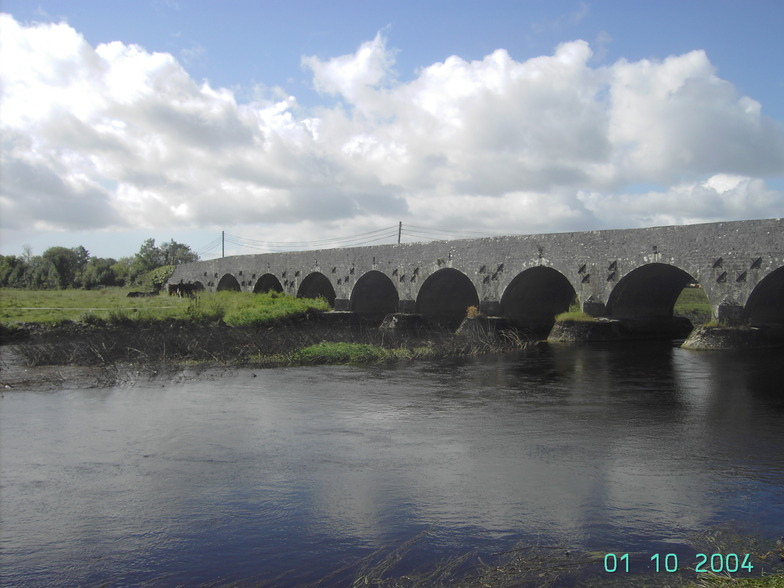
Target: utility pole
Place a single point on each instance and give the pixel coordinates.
(223, 243)
(399, 230)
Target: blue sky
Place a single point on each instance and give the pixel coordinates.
(313, 121)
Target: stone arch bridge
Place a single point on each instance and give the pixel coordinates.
(632, 274)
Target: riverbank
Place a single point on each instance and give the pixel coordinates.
(104, 353)
(536, 565)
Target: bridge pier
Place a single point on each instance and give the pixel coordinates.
(490, 307)
(342, 304)
(406, 306)
(594, 307)
(729, 313)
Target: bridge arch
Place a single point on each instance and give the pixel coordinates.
(267, 283)
(649, 291)
(445, 295)
(317, 284)
(535, 296)
(228, 282)
(766, 302)
(374, 292)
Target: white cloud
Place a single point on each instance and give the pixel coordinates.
(116, 136)
(720, 197)
(676, 119)
(356, 77)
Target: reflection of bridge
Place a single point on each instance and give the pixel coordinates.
(528, 279)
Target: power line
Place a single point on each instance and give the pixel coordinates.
(353, 240)
(431, 230)
(331, 240)
(393, 234)
(208, 247)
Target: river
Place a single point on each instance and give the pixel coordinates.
(284, 477)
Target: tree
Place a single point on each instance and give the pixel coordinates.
(99, 272)
(82, 257)
(41, 274)
(63, 265)
(174, 253)
(151, 257)
(122, 271)
(12, 271)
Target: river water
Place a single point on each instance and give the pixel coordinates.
(293, 475)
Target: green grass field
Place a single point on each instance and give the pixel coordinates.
(692, 301)
(51, 307)
(56, 306)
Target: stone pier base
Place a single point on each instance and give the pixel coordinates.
(606, 329)
(736, 338)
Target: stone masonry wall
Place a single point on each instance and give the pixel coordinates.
(728, 259)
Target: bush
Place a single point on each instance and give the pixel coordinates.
(90, 318)
(154, 279)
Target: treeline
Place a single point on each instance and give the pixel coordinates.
(63, 267)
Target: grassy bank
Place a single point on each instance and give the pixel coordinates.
(113, 306)
(106, 328)
(304, 340)
(694, 305)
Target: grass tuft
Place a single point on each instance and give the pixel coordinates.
(575, 315)
(327, 352)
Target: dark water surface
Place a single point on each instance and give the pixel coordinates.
(291, 474)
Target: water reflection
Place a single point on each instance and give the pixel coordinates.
(298, 471)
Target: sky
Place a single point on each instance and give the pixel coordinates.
(308, 124)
